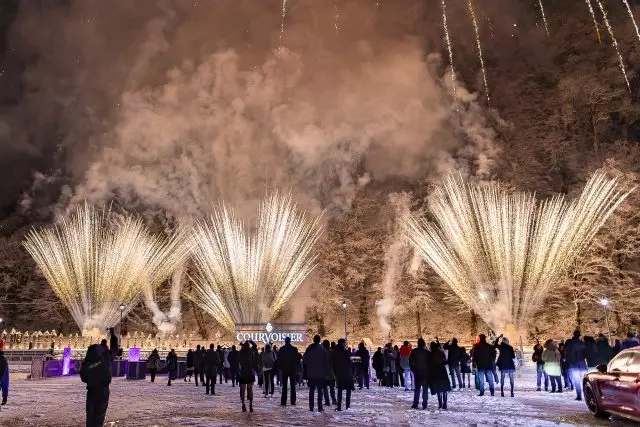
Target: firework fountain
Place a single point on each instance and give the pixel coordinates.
(501, 252)
(96, 261)
(242, 278)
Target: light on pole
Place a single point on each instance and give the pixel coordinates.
(344, 306)
(605, 303)
(121, 311)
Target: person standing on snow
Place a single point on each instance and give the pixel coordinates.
(96, 373)
(419, 361)
(453, 360)
(552, 358)
(246, 365)
(152, 362)
(576, 358)
(114, 343)
(630, 342)
(591, 352)
(537, 357)
(505, 362)
(197, 363)
(4, 374)
(316, 361)
(341, 364)
(268, 370)
(605, 351)
(465, 366)
(329, 388)
(363, 366)
(172, 366)
(405, 353)
(210, 364)
(438, 378)
(189, 373)
(233, 359)
(389, 365)
(289, 360)
(483, 357)
(377, 362)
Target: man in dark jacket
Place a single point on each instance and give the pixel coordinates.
(483, 356)
(505, 363)
(419, 363)
(233, 365)
(540, 372)
(210, 365)
(172, 366)
(341, 363)
(630, 342)
(575, 354)
(453, 360)
(114, 343)
(220, 352)
(605, 351)
(4, 374)
(288, 357)
(96, 373)
(363, 366)
(197, 363)
(590, 352)
(377, 362)
(315, 367)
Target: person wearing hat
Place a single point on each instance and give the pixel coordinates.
(4, 374)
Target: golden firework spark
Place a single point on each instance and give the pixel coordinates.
(94, 262)
(242, 278)
(500, 251)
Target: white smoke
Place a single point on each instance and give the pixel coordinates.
(167, 322)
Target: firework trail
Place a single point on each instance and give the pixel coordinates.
(595, 20)
(450, 48)
(501, 252)
(477, 31)
(284, 14)
(241, 278)
(544, 17)
(614, 42)
(633, 19)
(336, 16)
(95, 262)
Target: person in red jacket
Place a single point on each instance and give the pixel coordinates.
(405, 352)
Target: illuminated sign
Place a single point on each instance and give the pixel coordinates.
(271, 333)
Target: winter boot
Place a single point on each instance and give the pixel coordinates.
(251, 406)
(439, 400)
(244, 408)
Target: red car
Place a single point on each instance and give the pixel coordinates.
(614, 389)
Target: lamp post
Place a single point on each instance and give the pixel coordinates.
(344, 306)
(605, 303)
(122, 306)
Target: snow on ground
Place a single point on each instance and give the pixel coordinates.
(60, 402)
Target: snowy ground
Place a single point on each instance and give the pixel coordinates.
(60, 402)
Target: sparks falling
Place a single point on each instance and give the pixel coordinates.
(479, 45)
(501, 252)
(248, 279)
(614, 42)
(336, 16)
(284, 15)
(95, 262)
(450, 48)
(633, 19)
(544, 17)
(595, 20)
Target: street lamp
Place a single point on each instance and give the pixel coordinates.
(344, 306)
(122, 306)
(605, 303)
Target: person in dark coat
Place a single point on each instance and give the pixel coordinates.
(220, 352)
(341, 364)
(268, 369)
(152, 363)
(288, 362)
(114, 345)
(505, 362)
(210, 364)
(465, 366)
(189, 372)
(438, 378)
(398, 377)
(540, 372)
(329, 388)
(389, 365)
(630, 342)
(483, 358)
(605, 351)
(4, 374)
(104, 345)
(246, 365)
(198, 357)
(363, 366)
(419, 362)
(617, 347)
(590, 352)
(96, 373)
(377, 362)
(453, 360)
(564, 365)
(576, 358)
(316, 361)
(233, 359)
(172, 366)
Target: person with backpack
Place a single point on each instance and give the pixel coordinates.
(540, 372)
(96, 373)
(172, 366)
(505, 362)
(152, 362)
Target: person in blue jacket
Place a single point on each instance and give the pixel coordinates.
(4, 374)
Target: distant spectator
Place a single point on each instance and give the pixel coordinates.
(630, 342)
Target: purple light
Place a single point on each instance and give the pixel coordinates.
(134, 354)
(66, 360)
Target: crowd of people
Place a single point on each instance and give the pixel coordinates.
(331, 370)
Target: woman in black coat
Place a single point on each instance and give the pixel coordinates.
(189, 366)
(505, 362)
(343, 370)
(248, 363)
(438, 379)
